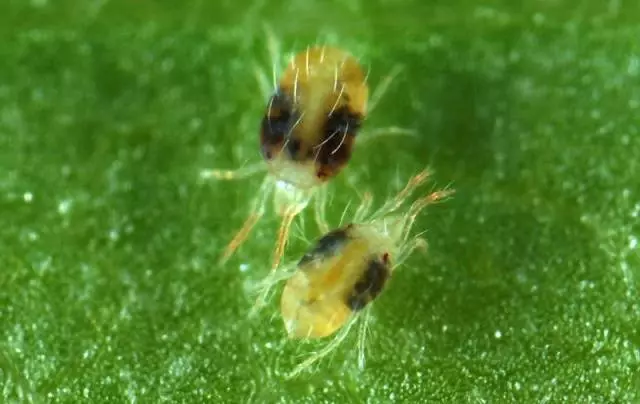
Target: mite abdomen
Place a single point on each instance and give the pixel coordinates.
(321, 75)
(340, 275)
(315, 114)
(309, 316)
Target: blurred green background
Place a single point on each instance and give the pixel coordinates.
(109, 288)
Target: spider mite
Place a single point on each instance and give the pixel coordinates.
(312, 118)
(346, 269)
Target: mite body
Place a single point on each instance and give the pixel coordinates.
(347, 269)
(312, 118)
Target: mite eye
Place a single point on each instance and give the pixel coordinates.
(385, 258)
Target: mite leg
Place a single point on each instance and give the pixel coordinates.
(362, 338)
(275, 53)
(236, 174)
(420, 204)
(408, 249)
(363, 209)
(266, 90)
(395, 202)
(268, 85)
(433, 197)
(283, 234)
(384, 132)
(240, 236)
(273, 49)
(263, 289)
(337, 340)
(344, 214)
(382, 88)
(257, 211)
(320, 210)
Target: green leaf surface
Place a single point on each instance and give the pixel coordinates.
(109, 285)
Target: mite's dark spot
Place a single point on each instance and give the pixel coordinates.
(339, 131)
(277, 121)
(293, 146)
(369, 285)
(327, 246)
(310, 153)
(341, 121)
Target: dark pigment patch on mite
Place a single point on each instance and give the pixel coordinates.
(339, 132)
(276, 123)
(293, 146)
(327, 246)
(370, 284)
(342, 120)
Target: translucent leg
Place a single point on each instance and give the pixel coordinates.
(397, 200)
(257, 211)
(382, 88)
(377, 95)
(241, 236)
(362, 338)
(236, 174)
(420, 204)
(363, 209)
(337, 340)
(268, 85)
(374, 134)
(266, 89)
(275, 53)
(345, 211)
(320, 210)
(283, 235)
(429, 199)
(417, 243)
(265, 287)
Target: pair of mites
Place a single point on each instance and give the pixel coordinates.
(313, 117)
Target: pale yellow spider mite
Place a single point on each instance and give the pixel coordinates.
(346, 269)
(314, 112)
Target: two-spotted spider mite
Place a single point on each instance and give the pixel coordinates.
(312, 118)
(336, 280)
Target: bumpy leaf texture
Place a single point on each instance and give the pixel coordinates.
(109, 283)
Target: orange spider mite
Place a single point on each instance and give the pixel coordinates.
(347, 269)
(314, 116)
(307, 134)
